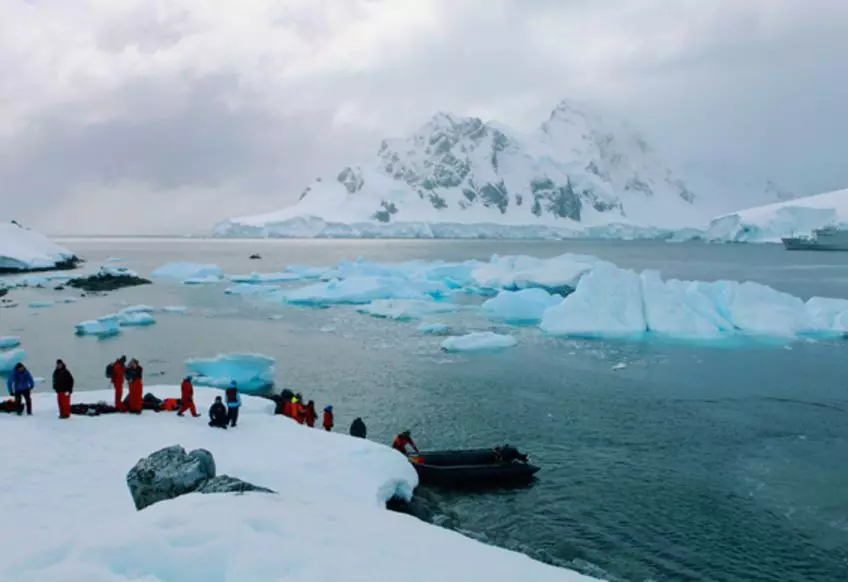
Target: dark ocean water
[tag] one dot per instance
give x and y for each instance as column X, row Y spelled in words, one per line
column 692, row 463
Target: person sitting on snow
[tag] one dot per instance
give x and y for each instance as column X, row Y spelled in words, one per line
column 403, row 440
column 357, row 428
column 218, row 414
column 187, row 398
column 233, row 403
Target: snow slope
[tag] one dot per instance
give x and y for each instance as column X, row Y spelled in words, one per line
column 22, row 249
column 69, row 515
column 462, row 177
column 772, row 222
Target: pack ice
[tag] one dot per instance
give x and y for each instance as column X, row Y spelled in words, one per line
column 252, row 372
column 478, row 341
column 22, row 249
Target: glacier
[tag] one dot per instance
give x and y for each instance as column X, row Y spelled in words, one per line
column 22, row 249
column 771, row 222
column 333, row 487
column 252, row 372
column 478, row 341
column 8, row 359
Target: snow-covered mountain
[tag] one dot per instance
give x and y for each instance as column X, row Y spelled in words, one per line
column 460, row 176
column 22, row 249
column 771, row 222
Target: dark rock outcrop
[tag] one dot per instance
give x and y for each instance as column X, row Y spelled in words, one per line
column 227, row 484
column 106, row 282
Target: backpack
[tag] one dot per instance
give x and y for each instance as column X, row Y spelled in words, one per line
column 109, row 369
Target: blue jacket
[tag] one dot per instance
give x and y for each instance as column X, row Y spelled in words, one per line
column 20, row 382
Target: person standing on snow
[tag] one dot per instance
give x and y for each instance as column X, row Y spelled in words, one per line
column 187, row 398
column 328, row 418
column 63, row 385
column 218, row 414
column 357, row 428
column 309, row 414
column 20, row 385
column 115, row 372
column 233, row 403
column 134, row 375
column 297, row 410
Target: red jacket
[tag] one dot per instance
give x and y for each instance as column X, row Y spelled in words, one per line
column 187, row 391
column 118, row 373
column 298, row 412
column 402, row 442
column 328, row 419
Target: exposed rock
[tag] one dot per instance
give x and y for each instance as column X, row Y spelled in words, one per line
column 227, row 484
column 169, row 473
column 255, row 257
column 106, row 282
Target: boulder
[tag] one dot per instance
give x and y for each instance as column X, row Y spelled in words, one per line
column 227, row 484
column 107, row 282
column 169, row 473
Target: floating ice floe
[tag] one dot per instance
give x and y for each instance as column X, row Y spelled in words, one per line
column 135, row 319
column 137, row 309
column 10, row 358
column 329, row 487
column 478, row 341
column 258, row 278
column 406, row 309
column 115, row 260
column 9, row 341
column 33, row 281
column 359, row 290
column 175, row 309
column 182, row 270
column 41, row 304
column 102, row 327
column 206, row 280
column 252, row 289
column 524, row 306
column 434, row 328
column 252, row 372
column 557, row 275
column 68, row 300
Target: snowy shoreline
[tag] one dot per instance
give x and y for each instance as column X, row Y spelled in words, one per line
column 69, row 492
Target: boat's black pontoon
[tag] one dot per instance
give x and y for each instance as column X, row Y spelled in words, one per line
column 473, row 468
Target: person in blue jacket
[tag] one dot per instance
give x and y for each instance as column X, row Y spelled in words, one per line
column 20, row 385
column 233, row 403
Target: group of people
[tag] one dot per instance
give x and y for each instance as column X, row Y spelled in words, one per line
column 133, row 373
column 20, row 385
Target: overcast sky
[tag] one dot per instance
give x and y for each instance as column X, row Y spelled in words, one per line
column 145, row 116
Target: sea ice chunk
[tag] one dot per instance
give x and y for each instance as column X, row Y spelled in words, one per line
column 9, row 341
column 256, row 278
column 175, row 309
column 251, row 289
column 205, row 280
column 356, row 290
column 558, row 274
column 434, row 328
column 478, row 341
column 252, row 372
column 136, row 318
column 406, row 309
column 9, row 359
column 41, row 304
column 829, row 314
column 182, row 270
column 101, row 327
column 137, row 309
column 524, row 306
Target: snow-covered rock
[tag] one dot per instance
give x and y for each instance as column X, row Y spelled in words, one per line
column 167, row 474
column 772, row 222
column 182, row 270
column 252, row 372
column 464, row 177
column 8, row 359
column 22, row 249
column 524, row 306
column 478, row 341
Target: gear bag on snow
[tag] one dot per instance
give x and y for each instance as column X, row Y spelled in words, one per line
column 109, row 369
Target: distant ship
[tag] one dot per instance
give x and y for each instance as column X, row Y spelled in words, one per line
column 830, row 238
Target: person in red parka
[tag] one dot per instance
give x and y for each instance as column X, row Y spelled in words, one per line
column 309, row 414
column 134, row 379
column 328, row 418
column 404, row 440
column 297, row 412
column 187, row 398
column 118, row 369
column 63, row 384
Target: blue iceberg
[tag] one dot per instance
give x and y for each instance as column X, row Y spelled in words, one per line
column 8, row 342
column 135, row 319
column 258, row 278
column 406, row 309
column 182, row 270
column 252, row 372
column 101, row 327
column 478, row 341
column 525, row 306
column 10, row 358
column 41, row 304
column 434, row 328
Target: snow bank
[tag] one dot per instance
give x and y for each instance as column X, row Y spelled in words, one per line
column 252, row 372
column 181, row 270
column 478, row 341
column 327, row 523
column 22, row 249
column 105, row 326
column 613, row 302
column 525, row 306
column 9, row 358
column 772, row 222
column 407, row 309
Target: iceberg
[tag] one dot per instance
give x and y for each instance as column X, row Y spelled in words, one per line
column 257, row 278
column 772, row 222
column 525, row 306
column 207, row 280
column 137, row 309
column 9, row 341
column 9, row 359
column 355, row 290
column 105, row 326
column 406, row 309
column 327, row 492
column 558, row 275
column 41, row 304
column 252, row 372
column 22, row 249
column 251, row 289
column 181, row 270
column 478, row 341
column 135, row 319
column 434, row 328
column 174, row 309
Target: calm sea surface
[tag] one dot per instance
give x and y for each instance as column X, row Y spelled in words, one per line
column 692, row 463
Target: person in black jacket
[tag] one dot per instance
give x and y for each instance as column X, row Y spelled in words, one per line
column 357, row 428
column 63, row 384
column 218, row 414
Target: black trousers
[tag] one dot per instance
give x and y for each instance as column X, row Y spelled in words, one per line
column 232, row 415
column 27, row 398
column 218, row 423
